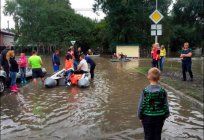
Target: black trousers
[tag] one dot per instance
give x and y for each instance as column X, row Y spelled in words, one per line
column 92, row 71
column 153, row 127
column 80, row 72
column 186, row 67
column 155, row 63
column 8, row 80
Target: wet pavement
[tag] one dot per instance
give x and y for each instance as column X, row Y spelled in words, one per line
column 104, row 111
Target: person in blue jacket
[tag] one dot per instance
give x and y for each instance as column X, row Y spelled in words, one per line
column 92, row 65
column 56, row 61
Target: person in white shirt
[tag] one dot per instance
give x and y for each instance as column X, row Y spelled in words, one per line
column 83, row 66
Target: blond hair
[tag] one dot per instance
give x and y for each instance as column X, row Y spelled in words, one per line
column 154, row 74
column 9, row 54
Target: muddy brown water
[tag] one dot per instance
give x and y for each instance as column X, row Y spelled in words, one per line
column 104, row 111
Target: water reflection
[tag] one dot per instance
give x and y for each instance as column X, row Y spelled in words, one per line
column 105, row 110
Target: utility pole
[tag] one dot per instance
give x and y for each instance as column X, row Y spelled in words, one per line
column 8, row 24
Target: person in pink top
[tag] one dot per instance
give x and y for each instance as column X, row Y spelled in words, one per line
column 23, row 64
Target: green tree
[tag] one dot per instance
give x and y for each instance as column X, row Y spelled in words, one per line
column 188, row 21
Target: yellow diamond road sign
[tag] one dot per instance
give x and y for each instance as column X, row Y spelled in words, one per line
column 156, row 16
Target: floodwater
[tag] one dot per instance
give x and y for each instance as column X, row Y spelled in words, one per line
column 104, row 111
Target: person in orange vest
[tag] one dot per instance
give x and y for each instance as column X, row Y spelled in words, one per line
column 69, row 67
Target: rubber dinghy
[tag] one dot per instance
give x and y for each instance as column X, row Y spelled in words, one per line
column 120, row 60
column 58, row 79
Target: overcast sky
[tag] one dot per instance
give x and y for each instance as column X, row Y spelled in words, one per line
column 82, row 7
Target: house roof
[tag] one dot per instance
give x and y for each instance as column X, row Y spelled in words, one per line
column 6, row 32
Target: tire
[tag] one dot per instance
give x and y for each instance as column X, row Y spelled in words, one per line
column 2, row 85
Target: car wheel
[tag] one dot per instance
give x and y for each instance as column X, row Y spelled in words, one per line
column 2, row 85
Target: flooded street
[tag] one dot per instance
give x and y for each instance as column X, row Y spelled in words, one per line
column 104, row 111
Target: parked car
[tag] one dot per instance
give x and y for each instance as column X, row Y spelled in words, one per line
column 2, row 80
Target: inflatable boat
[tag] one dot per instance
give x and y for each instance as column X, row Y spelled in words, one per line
column 58, row 79
column 29, row 73
column 120, row 60
column 94, row 55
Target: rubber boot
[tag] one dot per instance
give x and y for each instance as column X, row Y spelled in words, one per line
column 12, row 88
column 16, row 88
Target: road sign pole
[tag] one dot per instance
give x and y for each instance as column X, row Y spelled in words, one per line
column 156, row 4
column 156, row 38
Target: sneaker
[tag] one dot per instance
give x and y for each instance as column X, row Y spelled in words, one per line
column 68, row 83
column 24, row 81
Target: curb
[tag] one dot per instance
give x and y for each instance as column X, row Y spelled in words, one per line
column 193, row 100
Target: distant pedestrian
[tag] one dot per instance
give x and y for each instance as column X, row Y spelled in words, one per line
column 5, row 64
column 13, row 70
column 185, row 56
column 162, row 57
column 153, row 106
column 77, row 55
column 36, row 63
column 92, row 65
column 154, row 56
column 56, row 60
column 158, row 54
column 23, row 64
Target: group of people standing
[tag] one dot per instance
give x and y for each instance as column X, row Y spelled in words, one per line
column 158, row 56
column 75, row 62
column 12, row 66
column 159, row 53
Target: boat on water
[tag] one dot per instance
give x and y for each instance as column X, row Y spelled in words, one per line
column 94, row 55
column 120, row 60
column 29, row 73
column 58, row 79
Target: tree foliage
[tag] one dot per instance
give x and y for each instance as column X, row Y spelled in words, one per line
column 188, row 21
column 49, row 23
column 128, row 20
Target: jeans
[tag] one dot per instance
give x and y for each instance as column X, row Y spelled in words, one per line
column 23, row 74
column 56, row 68
column 13, row 78
column 186, row 66
column 153, row 127
column 161, row 62
column 69, row 73
column 92, row 71
column 75, row 64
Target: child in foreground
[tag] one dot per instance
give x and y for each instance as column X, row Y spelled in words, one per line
column 23, row 64
column 153, row 106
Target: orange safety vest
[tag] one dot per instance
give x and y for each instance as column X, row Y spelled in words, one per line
column 68, row 64
column 74, row 78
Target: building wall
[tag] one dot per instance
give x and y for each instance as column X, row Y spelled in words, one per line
column 1, row 39
column 8, row 40
column 130, row 51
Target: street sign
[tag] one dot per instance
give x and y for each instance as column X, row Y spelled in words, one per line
column 156, row 29
column 159, row 27
column 156, row 16
column 73, row 42
column 153, row 32
column 153, row 26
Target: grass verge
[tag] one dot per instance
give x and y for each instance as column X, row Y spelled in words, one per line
column 193, row 89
